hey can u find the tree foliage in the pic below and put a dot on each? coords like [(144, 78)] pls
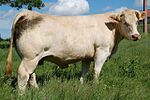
[(23, 3)]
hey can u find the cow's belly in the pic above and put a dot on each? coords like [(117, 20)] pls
[(63, 55), (60, 62), (63, 63)]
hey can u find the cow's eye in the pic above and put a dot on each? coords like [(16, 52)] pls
[(125, 23), (137, 23)]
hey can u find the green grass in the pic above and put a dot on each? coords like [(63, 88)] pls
[(126, 76)]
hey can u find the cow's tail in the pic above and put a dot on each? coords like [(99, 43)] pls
[(9, 58), (19, 17)]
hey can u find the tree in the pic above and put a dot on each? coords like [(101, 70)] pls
[(22, 3)]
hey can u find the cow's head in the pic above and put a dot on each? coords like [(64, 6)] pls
[(127, 21)]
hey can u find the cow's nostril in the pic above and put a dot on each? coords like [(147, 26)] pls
[(135, 36)]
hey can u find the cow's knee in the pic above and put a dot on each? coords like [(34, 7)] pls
[(32, 81)]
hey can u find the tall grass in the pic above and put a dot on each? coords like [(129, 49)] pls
[(126, 76)]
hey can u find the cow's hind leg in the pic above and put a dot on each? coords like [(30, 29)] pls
[(85, 68), (25, 69), (32, 80)]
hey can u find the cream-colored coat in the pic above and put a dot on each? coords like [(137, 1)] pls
[(67, 39)]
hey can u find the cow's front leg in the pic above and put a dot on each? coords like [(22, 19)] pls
[(85, 68), (100, 58)]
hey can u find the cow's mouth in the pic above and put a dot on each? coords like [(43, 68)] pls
[(135, 37)]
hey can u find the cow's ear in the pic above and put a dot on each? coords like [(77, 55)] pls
[(143, 15), (140, 15), (116, 18)]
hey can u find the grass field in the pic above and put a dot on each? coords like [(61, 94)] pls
[(126, 76)]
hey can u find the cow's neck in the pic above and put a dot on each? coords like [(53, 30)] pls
[(117, 37)]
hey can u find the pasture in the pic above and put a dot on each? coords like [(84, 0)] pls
[(126, 76)]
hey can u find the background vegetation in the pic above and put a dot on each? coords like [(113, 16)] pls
[(126, 76), (29, 4)]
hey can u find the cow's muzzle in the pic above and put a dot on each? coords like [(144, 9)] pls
[(135, 37)]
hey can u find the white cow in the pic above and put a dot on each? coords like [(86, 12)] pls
[(68, 39)]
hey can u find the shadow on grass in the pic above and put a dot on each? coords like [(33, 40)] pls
[(12, 81), (71, 72)]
